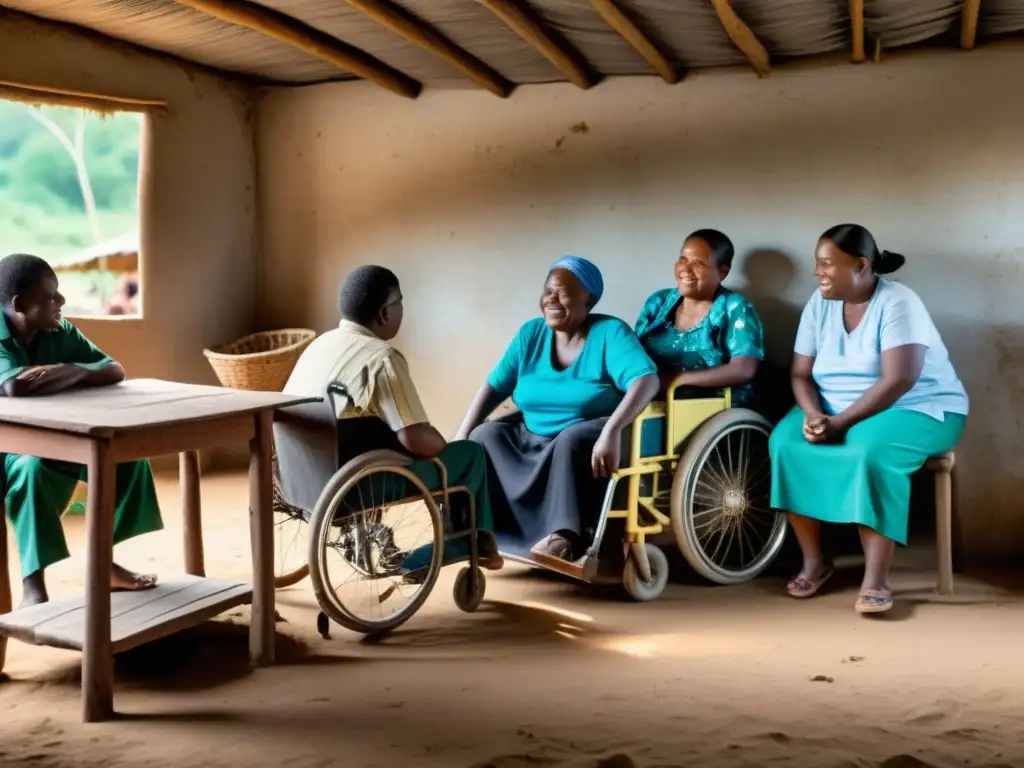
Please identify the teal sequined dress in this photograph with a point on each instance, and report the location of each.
(730, 329)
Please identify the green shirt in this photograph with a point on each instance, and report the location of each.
(67, 345)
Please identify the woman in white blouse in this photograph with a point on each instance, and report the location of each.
(876, 396)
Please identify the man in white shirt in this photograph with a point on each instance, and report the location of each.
(357, 356)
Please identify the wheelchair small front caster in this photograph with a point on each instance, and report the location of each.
(323, 625)
(465, 599)
(640, 589)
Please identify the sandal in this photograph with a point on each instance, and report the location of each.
(801, 588)
(873, 601)
(555, 546)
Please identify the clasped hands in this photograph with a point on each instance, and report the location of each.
(821, 428)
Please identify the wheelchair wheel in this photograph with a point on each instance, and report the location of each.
(371, 515)
(466, 599)
(640, 590)
(291, 533)
(720, 510)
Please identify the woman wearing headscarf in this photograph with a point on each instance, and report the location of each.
(701, 329)
(876, 396)
(578, 379)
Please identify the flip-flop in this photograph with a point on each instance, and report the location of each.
(802, 589)
(873, 601)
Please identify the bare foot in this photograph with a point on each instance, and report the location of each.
(33, 590)
(123, 580)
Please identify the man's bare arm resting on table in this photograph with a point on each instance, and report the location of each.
(52, 379)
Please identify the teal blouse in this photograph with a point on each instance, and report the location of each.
(550, 399)
(730, 329)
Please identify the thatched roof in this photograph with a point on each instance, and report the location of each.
(120, 254)
(406, 44)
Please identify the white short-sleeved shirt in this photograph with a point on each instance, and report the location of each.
(847, 364)
(374, 373)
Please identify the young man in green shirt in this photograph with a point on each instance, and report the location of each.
(41, 353)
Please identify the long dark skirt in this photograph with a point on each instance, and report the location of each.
(546, 483)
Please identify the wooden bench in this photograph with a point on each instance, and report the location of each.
(942, 468)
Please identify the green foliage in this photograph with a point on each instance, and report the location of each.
(41, 206)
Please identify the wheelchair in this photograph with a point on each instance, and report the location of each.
(346, 484)
(696, 466)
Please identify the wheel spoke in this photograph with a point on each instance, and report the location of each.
(744, 445)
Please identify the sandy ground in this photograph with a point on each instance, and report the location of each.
(548, 673)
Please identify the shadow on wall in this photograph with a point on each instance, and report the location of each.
(771, 274)
(472, 203)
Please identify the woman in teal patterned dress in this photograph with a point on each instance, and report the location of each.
(701, 329)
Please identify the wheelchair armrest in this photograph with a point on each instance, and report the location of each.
(679, 381)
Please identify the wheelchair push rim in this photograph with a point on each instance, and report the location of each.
(359, 537)
(720, 510)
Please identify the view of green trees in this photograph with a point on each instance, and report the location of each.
(44, 205)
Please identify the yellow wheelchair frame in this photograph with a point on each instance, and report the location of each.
(693, 428)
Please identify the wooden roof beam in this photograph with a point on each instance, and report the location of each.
(299, 35)
(857, 29)
(743, 38)
(969, 24)
(631, 33)
(428, 37)
(522, 20)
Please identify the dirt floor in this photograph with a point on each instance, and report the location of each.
(548, 673)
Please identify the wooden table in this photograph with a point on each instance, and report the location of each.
(137, 420)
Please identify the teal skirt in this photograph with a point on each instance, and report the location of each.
(865, 479)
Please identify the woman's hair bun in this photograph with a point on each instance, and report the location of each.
(887, 262)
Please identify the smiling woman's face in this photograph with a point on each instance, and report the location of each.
(839, 275)
(697, 274)
(565, 303)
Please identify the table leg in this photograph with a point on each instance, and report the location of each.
(98, 659)
(261, 530)
(191, 512)
(5, 574)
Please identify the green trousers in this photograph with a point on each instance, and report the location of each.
(466, 463)
(38, 492)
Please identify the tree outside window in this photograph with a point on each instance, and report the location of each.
(69, 193)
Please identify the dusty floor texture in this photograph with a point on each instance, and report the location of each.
(547, 674)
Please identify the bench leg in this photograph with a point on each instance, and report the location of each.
(944, 530)
(5, 574)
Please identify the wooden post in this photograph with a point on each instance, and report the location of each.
(426, 36)
(261, 531)
(969, 24)
(310, 40)
(943, 469)
(191, 512)
(743, 37)
(857, 29)
(5, 574)
(522, 20)
(631, 33)
(98, 659)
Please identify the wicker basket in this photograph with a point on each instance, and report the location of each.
(261, 361)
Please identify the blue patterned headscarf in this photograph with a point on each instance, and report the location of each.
(586, 272)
